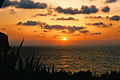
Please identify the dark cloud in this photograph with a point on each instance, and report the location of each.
(110, 1)
(41, 36)
(29, 4)
(107, 17)
(19, 23)
(9, 3)
(19, 28)
(83, 10)
(57, 27)
(25, 4)
(49, 12)
(60, 27)
(12, 11)
(46, 14)
(105, 9)
(29, 23)
(64, 32)
(84, 31)
(115, 18)
(74, 28)
(3, 29)
(76, 35)
(96, 33)
(51, 27)
(35, 31)
(45, 31)
(100, 24)
(41, 15)
(70, 18)
(96, 17)
(55, 36)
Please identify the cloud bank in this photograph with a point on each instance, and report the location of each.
(51, 27)
(100, 24)
(30, 23)
(25, 4)
(96, 33)
(94, 17)
(69, 18)
(110, 1)
(115, 18)
(106, 9)
(83, 10)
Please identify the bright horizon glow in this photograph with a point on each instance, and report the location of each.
(64, 39)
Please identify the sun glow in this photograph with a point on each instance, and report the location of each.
(64, 39)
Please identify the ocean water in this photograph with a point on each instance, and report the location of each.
(98, 59)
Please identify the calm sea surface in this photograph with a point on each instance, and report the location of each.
(96, 58)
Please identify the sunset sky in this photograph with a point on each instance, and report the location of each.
(61, 22)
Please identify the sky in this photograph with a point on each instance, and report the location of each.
(61, 22)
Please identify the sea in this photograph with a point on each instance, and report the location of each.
(97, 59)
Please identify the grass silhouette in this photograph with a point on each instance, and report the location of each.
(12, 67)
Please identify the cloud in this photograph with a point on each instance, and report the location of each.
(74, 28)
(55, 36)
(46, 31)
(19, 23)
(41, 36)
(69, 18)
(41, 15)
(49, 12)
(96, 33)
(29, 23)
(12, 11)
(28, 4)
(9, 3)
(64, 31)
(3, 29)
(105, 9)
(76, 35)
(57, 27)
(25, 4)
(96, 17)
(35, 31)
(60, 27)
(107, 17)
(51, 27)
(84, 31)
(46, 14)
(83, 10)
(19, 28)
(115, 18)
(100, 24)
(110, 1)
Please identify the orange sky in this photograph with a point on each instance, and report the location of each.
(49, 26)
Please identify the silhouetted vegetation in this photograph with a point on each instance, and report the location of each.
(1, 2)
(12, 67)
